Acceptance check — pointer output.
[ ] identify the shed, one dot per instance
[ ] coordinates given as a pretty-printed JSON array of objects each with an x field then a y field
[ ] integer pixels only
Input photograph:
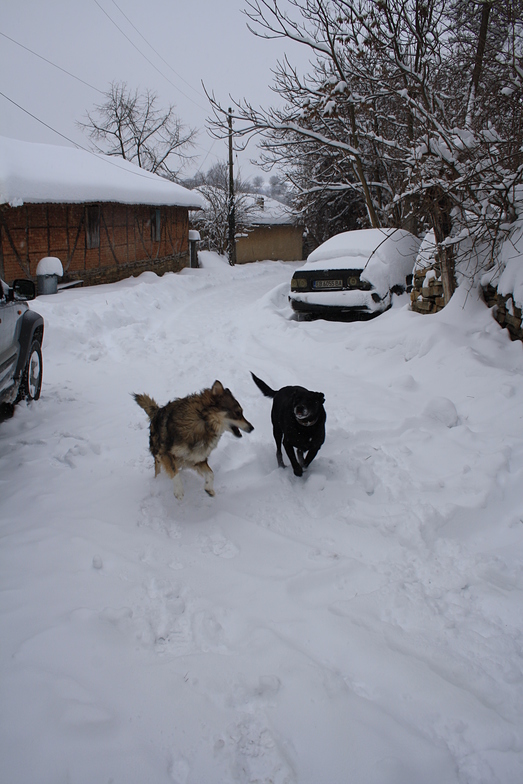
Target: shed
[
  {"x": 103, "y": 217},
  {"x": 274, "y": 233}
]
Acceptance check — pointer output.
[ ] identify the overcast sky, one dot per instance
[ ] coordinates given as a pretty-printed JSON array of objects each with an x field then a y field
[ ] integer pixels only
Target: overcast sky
[{"x": 176, "y": 45}]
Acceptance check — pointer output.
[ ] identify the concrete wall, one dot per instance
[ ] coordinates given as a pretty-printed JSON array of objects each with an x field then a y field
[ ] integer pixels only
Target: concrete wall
[{"x": 277, "y": 243}]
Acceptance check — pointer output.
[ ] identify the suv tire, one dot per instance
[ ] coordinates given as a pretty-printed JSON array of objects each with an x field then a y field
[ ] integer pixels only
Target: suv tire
[{"x": 31, "y": 382}]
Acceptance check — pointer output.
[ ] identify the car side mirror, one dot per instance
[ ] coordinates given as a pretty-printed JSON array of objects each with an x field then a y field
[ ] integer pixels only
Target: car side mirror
[{"x": 23, "y": 289}]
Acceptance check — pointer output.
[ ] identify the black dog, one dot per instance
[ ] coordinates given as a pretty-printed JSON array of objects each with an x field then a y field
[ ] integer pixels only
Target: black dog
[{"x": 298, "y": 417}]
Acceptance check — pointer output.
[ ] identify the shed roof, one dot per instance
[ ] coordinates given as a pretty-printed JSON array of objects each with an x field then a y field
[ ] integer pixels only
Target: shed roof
[
  {"x": 269, "y": 212},
  {"x": 261, "y": 209},
  {"x": 45, "y": 173}
]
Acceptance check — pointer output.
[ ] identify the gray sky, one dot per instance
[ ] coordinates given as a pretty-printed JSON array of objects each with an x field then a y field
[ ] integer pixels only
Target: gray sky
[{"x": 195, "y": 41}]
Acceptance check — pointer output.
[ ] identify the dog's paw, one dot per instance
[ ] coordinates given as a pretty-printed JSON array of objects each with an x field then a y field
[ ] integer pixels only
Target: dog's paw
[
  {"x": 177, "y": 487},
  {"x": 210, "y": 492},
  {"x": 298, "y": 471},
  {"x": 178, "y": 491}
]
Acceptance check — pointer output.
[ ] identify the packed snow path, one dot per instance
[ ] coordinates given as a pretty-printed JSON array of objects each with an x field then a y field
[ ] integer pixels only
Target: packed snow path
[{"x": 360, "y": 624}]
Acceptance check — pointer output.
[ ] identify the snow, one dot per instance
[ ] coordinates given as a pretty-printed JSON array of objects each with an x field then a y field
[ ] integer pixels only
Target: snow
[
  {"x": 50, "y": 265},
  {"x": 360, "y": 624},
  {"x": 355, "y": 298},
  {"x": 45, "y": 173},
  {"x": 260, "y": 210},
  {"x": 511, "y": 279},
  {"x": 264, "y": 211},
  {"x": 427, "y": 251},
  {"x": 506, "y": 274}
]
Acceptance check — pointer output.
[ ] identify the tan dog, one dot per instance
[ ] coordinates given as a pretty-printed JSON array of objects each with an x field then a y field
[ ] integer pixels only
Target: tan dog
[{"x": 184, "y": 432}]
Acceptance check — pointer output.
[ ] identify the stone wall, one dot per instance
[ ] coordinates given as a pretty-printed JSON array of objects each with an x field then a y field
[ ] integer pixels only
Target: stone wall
[
  {"x": 111, "y": 274},
  {"x": 427, "y": 290},
  {"x": 505, "y": 311},
  {"x": 427, "y": 297}
]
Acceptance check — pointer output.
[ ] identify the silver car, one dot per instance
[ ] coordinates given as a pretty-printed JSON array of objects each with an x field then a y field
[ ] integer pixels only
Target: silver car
[{"x": 21, "y": 336}]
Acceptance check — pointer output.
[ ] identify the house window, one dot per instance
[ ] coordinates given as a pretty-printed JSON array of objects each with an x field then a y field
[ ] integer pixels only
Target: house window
[
  {"x": 156, "y": 226},
  {"x": 92, "y": 226}
]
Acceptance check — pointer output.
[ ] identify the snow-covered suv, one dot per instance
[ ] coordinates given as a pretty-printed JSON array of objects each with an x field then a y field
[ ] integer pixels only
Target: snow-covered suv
[{"x": 21, "y": 335}]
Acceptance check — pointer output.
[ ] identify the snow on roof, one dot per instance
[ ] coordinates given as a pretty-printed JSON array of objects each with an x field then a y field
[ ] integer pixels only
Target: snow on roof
[
  {"x": 44, "y": 173},
  {"x": 266, "y": 211},
  {"x": 262, "y": 210}
]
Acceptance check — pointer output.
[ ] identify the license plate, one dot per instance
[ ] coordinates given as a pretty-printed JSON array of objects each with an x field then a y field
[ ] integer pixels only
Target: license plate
[{"x": 327, "y": 284}]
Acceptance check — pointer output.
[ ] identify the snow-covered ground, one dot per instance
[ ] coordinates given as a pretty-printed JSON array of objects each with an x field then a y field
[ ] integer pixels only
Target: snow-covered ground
[{"x": 362, "y": 624}]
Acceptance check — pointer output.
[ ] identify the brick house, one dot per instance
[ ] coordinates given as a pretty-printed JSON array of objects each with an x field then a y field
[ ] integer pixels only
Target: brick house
[{"x": 103, "y": 217}]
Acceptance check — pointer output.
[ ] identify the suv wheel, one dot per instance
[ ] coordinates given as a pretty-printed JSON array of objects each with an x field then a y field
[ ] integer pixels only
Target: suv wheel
[{"x": 31, "y": 382}]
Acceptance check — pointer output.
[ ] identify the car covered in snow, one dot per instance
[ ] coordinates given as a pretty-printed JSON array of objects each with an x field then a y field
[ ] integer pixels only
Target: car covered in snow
[
  {"x": 353, "y": 275},
  {"x": 21, "y": 336}
]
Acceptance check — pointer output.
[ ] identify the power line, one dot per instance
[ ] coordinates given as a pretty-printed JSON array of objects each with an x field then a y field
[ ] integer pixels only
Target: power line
[
  {"x": 157, "y": 53},
  {"x": 42, "y": 122},
  {"x": 209, "y": 151},
  {"x": 146, "y": 58},
  {"x": 64, "y": 70},
  {"x": 105, "y": 158},
  {"x": 77, "y": 78}
]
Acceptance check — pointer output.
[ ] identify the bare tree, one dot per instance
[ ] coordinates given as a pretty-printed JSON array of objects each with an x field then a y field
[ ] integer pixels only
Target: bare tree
[
  {"x": 213, "y": 220},
  {"x": 257, "y": 184},
  {"x": 130, "y": 125}
]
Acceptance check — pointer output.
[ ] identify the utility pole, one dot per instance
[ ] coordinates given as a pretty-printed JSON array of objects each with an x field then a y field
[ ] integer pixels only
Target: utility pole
[{"x": 231, "y": 244}]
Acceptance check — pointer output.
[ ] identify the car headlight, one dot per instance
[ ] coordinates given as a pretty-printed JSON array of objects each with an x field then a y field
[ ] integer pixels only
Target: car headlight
[{"x": 298, "y": 283}]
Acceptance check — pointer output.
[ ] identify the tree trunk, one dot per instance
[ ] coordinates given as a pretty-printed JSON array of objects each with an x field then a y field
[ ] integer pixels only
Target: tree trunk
[
  {"x": 448, "y": 272},
  {"x": 439, "y": 208},
  {"x": 478, "y": 63}
]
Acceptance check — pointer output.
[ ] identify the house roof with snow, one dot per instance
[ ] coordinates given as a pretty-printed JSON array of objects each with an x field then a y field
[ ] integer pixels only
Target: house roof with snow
[
  {"x": 262, "y": 210},
  {"x": 265, "y": 211},
  {"x": 44, "y": 173}
]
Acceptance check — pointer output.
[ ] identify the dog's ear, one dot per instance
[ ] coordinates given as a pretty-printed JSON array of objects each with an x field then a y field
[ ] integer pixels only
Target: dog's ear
[{"x": 217, "y": 388}]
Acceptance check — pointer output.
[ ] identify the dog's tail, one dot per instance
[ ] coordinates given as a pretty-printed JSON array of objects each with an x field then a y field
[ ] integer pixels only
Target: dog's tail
[
  {"x": 149, "y": 405},
  {"x": 267, "y": 391}
]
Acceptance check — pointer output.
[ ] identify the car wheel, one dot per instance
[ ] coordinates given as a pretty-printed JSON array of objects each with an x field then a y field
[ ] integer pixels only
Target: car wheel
[{"x": 31, "y": 383}]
